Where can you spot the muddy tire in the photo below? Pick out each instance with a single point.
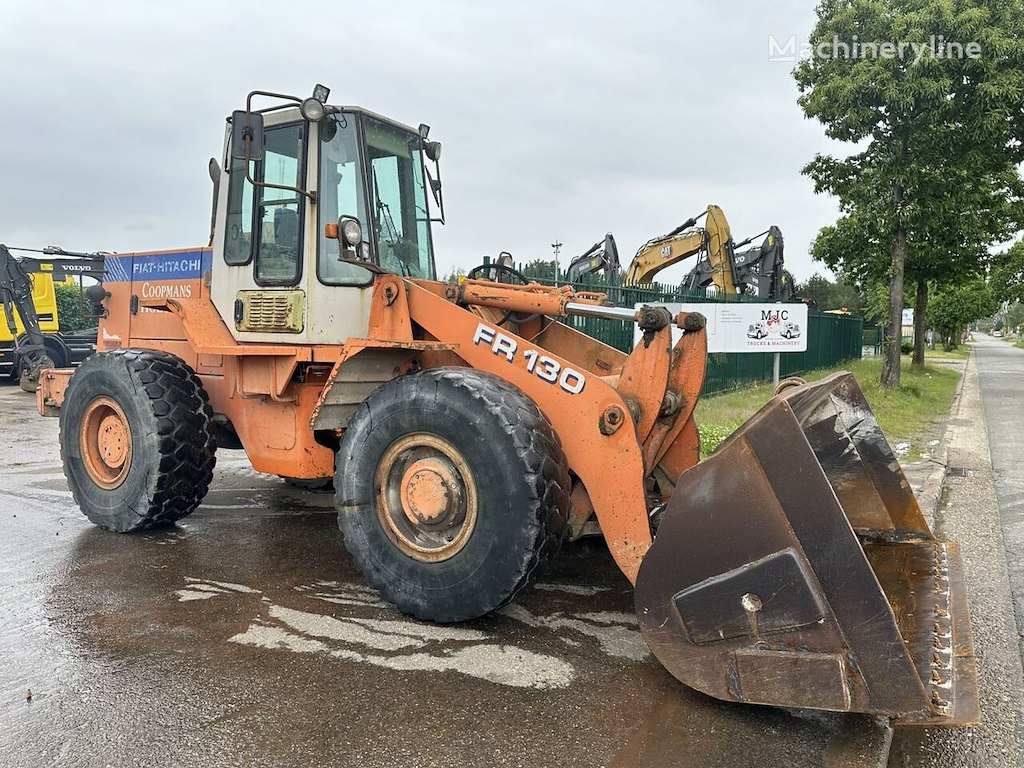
(135, 439)
(452, 492)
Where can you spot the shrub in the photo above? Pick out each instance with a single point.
(72, 310)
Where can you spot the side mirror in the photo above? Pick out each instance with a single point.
(246, 131)
(432, 149)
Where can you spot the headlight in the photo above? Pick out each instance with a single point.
(351, 232)
(312, 110)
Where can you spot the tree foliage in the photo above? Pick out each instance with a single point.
(1008, 274)
(828, 294)
(539, 268)
(933, 181)
(957, 306)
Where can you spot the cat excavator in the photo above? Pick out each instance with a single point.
(470, 433)
(758, 271)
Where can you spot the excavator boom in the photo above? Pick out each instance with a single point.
(713, 241)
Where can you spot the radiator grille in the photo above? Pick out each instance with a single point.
(271, 311)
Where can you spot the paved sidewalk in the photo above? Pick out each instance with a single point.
(969, 513)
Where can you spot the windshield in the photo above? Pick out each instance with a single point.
(401, 220)
(340, 194)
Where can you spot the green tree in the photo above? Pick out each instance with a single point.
(540, 268)
(1008, 274)
(828, 294)
(1015, 316)
(934, 181)
(956, 307)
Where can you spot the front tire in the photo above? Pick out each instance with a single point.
(135, 439)
(452, 492)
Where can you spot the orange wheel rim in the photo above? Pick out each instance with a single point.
(426, 497)
(106, 442)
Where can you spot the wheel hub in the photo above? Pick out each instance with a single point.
(426, 497)
(106, 442)
(113, 441)
(430, 492)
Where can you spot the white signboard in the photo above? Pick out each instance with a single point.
(743, 327)
(908, 317)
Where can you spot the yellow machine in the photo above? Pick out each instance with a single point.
(758, 271)
(713, 240)
(30, 335)
(44, 298)
(470, 433)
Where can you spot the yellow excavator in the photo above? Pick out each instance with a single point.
(758, 271)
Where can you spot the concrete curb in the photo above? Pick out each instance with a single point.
(931, 493)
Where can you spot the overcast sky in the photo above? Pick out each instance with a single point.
(559, 120)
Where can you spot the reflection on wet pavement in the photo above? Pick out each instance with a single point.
(245, 636)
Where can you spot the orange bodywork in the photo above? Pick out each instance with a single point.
(624, 421)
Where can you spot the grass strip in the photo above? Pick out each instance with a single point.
(908, 415)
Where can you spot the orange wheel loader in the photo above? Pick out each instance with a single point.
(469, 433)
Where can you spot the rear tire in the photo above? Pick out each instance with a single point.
(135, 439)
(452, 492)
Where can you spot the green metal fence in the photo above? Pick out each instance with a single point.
(831, 339)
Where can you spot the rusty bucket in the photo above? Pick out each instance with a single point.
(794, 568)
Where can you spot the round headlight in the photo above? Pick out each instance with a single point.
(312, 109)
(351, 232)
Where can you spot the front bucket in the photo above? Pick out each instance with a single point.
(794, 568)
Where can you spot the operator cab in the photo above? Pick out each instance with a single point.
(313, 200)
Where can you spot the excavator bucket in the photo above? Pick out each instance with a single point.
(794, 568)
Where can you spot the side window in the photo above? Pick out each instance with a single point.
(279, 212)
(238, 235)
(267, 222)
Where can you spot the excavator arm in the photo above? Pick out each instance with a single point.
(601, 256)
(713, 240)
(16, 296)
(758, 271)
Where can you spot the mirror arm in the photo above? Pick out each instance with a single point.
(437, 192)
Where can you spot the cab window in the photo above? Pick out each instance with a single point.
(279, 213)
(400, 218)
(341, 193)
(265, 224)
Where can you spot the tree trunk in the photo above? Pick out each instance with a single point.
(920, 325)
(891, 356)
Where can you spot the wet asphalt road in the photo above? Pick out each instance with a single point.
(1001, 374)
(244, 636)
(978, 511)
